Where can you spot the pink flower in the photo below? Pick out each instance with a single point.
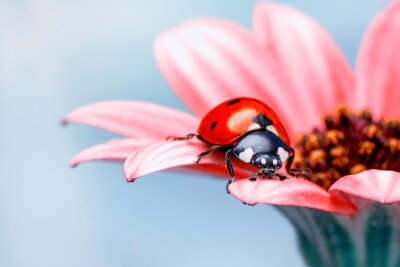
(287, 61)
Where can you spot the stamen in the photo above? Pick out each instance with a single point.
(350, 143)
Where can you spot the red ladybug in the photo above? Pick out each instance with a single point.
(250, 131)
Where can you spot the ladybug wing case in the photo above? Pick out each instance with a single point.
(230, 120)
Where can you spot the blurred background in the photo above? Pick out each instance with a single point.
(58, 55)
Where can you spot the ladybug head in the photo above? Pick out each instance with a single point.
(267, 162)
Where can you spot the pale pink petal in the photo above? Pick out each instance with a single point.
(121, 149)
(169, 154)
(135, 119)
(316, 72)
(290, 192)
(114, 150)
(207, 61)
(378, 64)
(376, 185)
(215, 170)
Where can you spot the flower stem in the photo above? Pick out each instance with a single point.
(369, 239)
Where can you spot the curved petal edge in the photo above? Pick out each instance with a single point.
(114, 150)
(170, 154)
(378, 64)
(375, 185)
(290, 192)
(135, 119)
(209, 60)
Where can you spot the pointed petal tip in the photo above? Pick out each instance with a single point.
(73, 163)
(129, 176)
(76, 160)
(64, 122)
(72, 116)
(113, 150)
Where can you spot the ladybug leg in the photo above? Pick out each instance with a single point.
(253, 178)
(280, 176)
(304, 173)
(205, 153)
(187, 137)
(230, 168)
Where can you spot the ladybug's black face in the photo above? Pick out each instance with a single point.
(267, 161)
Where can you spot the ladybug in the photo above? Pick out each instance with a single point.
(249, 130)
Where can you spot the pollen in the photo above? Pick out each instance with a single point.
(350, 142)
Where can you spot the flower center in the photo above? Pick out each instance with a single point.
(350, 143)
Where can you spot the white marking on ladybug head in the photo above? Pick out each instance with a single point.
(283, 154)
(246, 155)
(263, 161)
(253, 126)
(272, 129)
(275, 162)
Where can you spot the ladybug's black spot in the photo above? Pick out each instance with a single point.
(213, 125)
(232, 102)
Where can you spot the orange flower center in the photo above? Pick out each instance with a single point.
(350, 143)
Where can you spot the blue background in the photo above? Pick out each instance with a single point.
(58, 55)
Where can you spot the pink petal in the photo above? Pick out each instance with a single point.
(169, 154)
(215, 170)
(207, 61)
(378, 65)
(316, 72)
(135, 119)
(114, 150)
(376, 185)
(290, 192)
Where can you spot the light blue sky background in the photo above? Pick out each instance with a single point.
(58, 55)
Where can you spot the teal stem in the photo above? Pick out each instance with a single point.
(379, 235)
(370, 238)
